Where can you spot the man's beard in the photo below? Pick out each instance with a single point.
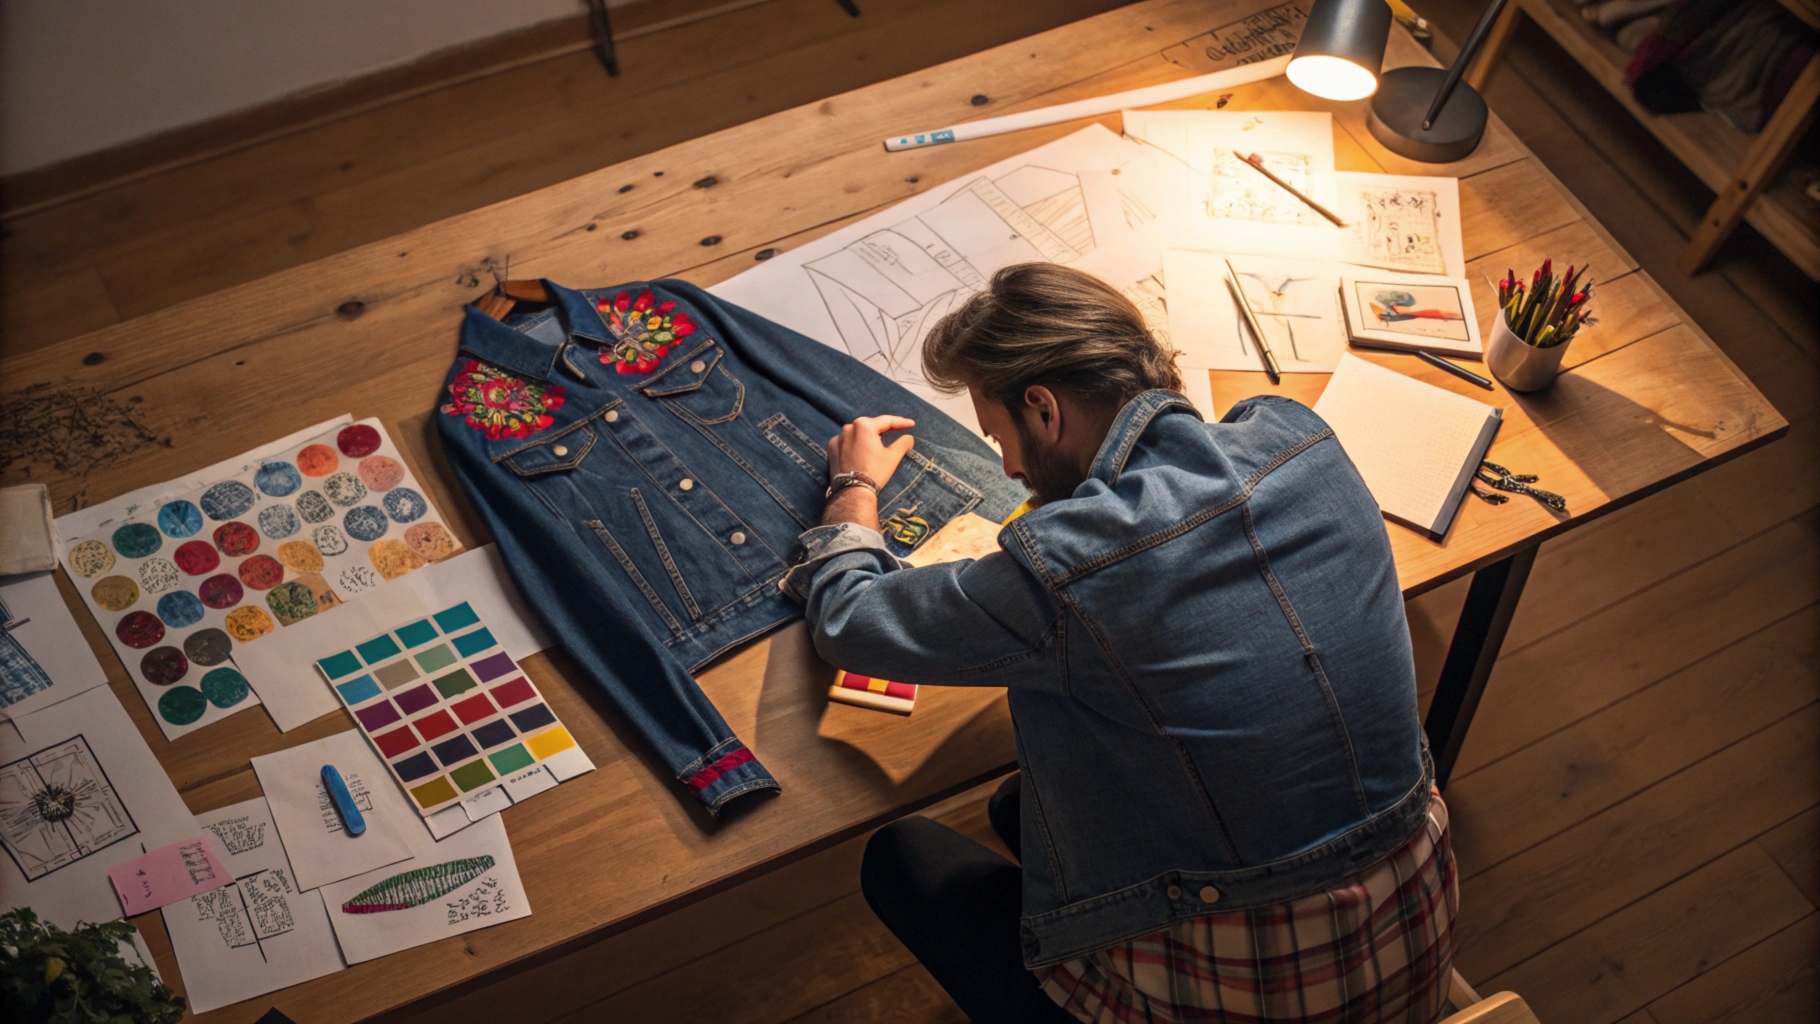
(1049, 474)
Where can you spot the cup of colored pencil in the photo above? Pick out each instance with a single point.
(1535, 323)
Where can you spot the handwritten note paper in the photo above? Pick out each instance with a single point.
(166, 875)
(320, 848)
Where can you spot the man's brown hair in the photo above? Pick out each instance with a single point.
(1046, 324)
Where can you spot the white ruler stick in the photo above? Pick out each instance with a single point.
(1244, 74)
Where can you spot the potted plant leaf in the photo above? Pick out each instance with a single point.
(50, 976)
(1535, 323)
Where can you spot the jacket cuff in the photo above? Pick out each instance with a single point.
(726, 772)
(822, 544)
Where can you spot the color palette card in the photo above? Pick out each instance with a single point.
(448, 709)
(183, 583)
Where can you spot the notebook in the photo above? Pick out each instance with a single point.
(1415, 444)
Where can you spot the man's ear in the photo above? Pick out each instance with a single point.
(1043, 413)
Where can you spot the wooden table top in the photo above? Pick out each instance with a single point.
(1648, 400)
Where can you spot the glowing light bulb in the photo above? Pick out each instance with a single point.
(1333, 78)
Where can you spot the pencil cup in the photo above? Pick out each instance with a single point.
(1521, 366)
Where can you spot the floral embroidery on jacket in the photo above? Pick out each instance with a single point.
(644, 330)
(499, 404)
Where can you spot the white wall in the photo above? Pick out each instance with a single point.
(82, 75)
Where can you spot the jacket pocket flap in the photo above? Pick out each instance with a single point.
(684, 374)
(564, 451)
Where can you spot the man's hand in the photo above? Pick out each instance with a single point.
(857, 447)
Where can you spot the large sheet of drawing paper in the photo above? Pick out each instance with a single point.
(463, 883)
(258, 934)
(190, 578)
(44, 658)
(319, 847)
(875, 288)
(79, 793)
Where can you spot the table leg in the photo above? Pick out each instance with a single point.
(1483, 622)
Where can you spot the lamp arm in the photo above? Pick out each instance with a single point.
(1473, 42)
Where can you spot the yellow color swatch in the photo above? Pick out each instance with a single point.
(553, 741)
(434, 792)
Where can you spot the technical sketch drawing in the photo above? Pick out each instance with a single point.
(57, 807)
(20, 674)
(1402, 230)
(1238, 192)
(1298, 306)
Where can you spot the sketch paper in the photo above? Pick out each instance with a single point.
(1296, 302)
(1401, 222)
(260, 932)
(875, 288)
(282, 668)
(319, 847)
(181, 587)
(463, 883)
(80, 792)
(1411, 311)
(1210, 199)
(447, 707)
(167, 874)
(44, 658)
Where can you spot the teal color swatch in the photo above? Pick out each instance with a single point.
(377, 649)
(455, 618)
(356, 690)
(417, 633)
(338, 665)
(470, 644)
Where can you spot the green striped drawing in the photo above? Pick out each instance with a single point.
(416, 887)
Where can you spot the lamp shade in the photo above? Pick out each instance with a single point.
(1341, 49)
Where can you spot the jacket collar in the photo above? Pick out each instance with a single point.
(1127, 427)
(492, 342)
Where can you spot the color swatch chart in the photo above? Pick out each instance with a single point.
(446, 707)
(181, 585)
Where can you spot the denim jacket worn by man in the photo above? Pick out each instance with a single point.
(1208, 663)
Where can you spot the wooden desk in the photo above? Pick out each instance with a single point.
(1648, 401)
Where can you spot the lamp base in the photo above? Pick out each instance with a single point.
(1402, 100)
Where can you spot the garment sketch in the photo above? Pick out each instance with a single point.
(1298, 305)
(20, 674)
(57, 807)
(1402, 230)
(1236, 191)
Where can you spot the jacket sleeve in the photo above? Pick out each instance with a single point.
(981, 622)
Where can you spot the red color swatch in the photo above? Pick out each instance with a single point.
(515, 692)
(473, 709)
(436, 723)
(396, 742)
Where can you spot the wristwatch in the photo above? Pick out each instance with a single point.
(851, 478)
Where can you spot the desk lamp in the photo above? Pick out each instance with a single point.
(1424, 114)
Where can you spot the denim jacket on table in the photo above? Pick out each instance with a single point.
(1209, 668)
(646, 457)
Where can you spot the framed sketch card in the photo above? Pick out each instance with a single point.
(1411, 311)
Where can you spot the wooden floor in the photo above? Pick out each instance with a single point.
(1638, 807)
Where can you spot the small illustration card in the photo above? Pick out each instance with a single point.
(260, 932)
(319, 846)
(163, 876)
(875, 694)
(465, 882)
(448, 709)
(1411, 311)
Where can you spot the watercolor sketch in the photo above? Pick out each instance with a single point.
(20, 674)
(1422, 311)
(57, 807)
(1238, 192)
(1402, 230)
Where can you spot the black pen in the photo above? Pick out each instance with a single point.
(1441, 364)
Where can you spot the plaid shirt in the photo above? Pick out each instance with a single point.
(1376, 948)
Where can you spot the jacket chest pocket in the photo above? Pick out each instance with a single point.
(698, 387)
(555, 454)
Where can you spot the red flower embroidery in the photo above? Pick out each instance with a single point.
(501, 405)
(644, 330)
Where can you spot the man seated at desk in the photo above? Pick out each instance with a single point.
(1225, 810)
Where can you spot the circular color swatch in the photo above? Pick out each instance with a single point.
(115, 593)
(90, 559)
(226, 500)
(180, 609)
(208, 646)
(431, 541)
(356, 579)
(278, 521)
(182, 705)
(380, 473)
(317, 460)
(277, 479)
(158, 575)
(393, 559)
(344, 489)
(365, 523)
(261, 572)
(136, 540)
(248, 624)
(163, 666)
(329, 541)
(196, 557)
(404, 505)
(221, 591)
(224, 687)
(139, 630)
(314, 508)
(291, 601)
(357, 440)
(180, 519)
(236, 540)
(300, 556)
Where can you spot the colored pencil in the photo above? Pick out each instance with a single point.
(1256, 162)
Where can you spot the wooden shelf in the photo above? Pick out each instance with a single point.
(1709, 146)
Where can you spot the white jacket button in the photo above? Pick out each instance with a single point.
(559, 451)
(738, 537)
(697, 366)
(687, 484)
(613, 416)
(1209, 894)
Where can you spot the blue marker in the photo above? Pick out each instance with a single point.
(344, 800)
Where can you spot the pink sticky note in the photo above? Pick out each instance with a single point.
(166, 875)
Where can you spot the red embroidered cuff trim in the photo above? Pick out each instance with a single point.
(702, 779)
